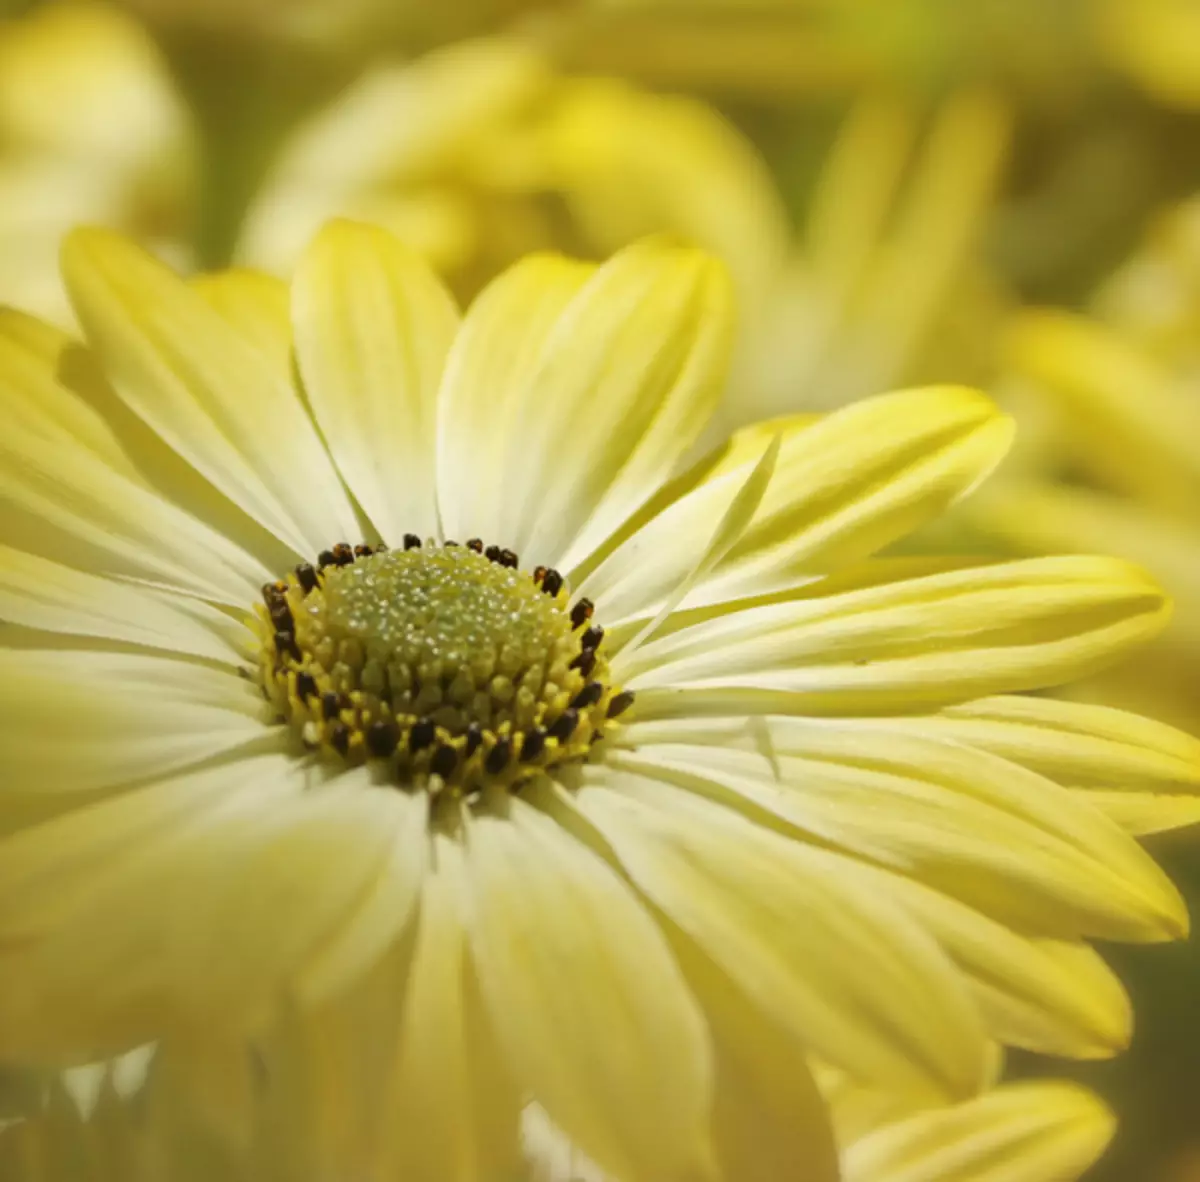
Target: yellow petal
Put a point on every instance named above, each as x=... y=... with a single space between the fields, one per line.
x=921 y=641
x=1010 y=843
x=448 y=1112
x=847 y=973
x=373 y=328
x=592 y=1014
x=1032 y=1132
x=503 y=333
x=62 y=466
x=42 y=594
x=625 y=381
x=216 y=400
x=81 y=720
x=844 y=486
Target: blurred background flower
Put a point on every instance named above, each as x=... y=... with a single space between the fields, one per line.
x=1002 y=192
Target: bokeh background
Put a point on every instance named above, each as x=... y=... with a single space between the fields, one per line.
x=1000 y=192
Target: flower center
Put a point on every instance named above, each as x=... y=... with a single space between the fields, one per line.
x=448 y=662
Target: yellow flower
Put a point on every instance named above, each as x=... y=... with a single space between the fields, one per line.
x=1115 y=462
x=90 y=130
x=652 y=785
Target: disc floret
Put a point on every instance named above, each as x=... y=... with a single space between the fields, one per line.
x=449 y=664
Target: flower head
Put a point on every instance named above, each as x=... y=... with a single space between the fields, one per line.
x=367 y=659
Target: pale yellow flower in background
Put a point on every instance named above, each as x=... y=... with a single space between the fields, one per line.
x=90 y=131
x=625 y=813
x=1113 y=400
x=133 y=1121
x=1156 y=43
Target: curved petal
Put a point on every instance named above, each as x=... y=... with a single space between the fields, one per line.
x=72 y=492
x=586 y=1001
x=1030 y=1132
x=904 y=644
x=38 y=593
x=373 y=327
x=502 y=335
x=625 y=381
x=76 y=721
x=846 y=972
x=449 y=1112
x=1008 y=842
x=216 y=400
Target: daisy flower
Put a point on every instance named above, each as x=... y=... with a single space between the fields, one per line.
x=354 y=646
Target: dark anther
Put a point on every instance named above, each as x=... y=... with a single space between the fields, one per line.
x=331 y=704
x=588 y=696
x=339 y=737
x=564 y=725
x=509 y=558
x=382 y=737
x=412 y=542
x=581 y=613
x=620 y=703
x=325 y=558
x=273 y=592
x=449 y=542
x=422 y=734
x=306 y=577
x=285 y=642
x=363 y=551
x=539 y=573
x=475 y=544
x=343 y=554
x=474 y=738
x=534 y=744
x=585 y=662
x=492 y=553
x=444 y=761
x=592 y=637
x=552 y=582
x=281 y=616
x=306 y=686
x=498 y=756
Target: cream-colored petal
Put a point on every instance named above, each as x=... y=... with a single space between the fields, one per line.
x=921 y=641
x=38 y=593
x=1080 y=745
x=383 y=911
x=502 y=335
x=844 y=970
x=215 y=399
x=1006 y=841
x=373 y=327
x=1049 y=996
x=82 y=720
x=72 y=491
x=1144 y=813
x=91 y=905
x=1029 y=1132
x=257 y=307
x=625 y=381
x=449 y=1112
x=769 y=1120
x=591 y=1012
x=859 y=479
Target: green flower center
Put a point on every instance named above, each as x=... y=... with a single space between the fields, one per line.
x=447 y=663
